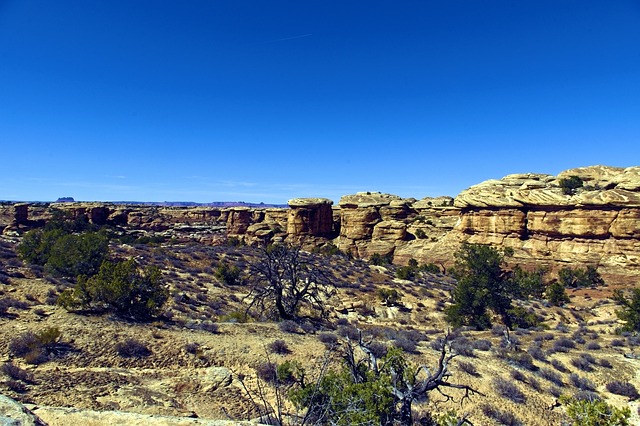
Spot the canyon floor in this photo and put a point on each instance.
(203, 355)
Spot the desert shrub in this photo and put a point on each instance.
(617, 343)
(210, 327)
(328, 339)
(630, 310)
(119, 287)
(580, 277)
(581, 383)
(349, 331)
(592, 346)
(521, 359)
(227, 274)
(192, 348)
(558, 365)
(389, 297)
(509, 390)
(288, 326)
(463, 346)
(595, 413)
(482, 345)
(16, 386)
(570, 185)
(13, 371)
(405, 344)
(34, 348)
(132, 348)
(582, 364)
(543, 336)
(504, 418)
(468, 368)
(605, 363)
(623, 388)
(279, 347)
(537, 353)
(380, 260)
(551, 376)
(556, 294)
(563, 344)
(518, 375)
(9, 302)
(267, 372)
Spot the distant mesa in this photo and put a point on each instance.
(65, 200)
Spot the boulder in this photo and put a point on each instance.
(12, 413)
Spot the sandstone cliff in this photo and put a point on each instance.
(597, 225)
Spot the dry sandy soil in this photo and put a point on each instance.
(202, 359)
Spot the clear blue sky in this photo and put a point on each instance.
(205, 100)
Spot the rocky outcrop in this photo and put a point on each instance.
(310, 216)
(12, 413)
(599, 224)
(376, 223)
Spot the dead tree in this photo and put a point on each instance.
(284, 279)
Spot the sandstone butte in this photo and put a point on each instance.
(599, 225)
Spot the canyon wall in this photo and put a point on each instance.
(596, 224)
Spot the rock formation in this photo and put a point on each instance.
(597, 225)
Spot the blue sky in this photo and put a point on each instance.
(270, 100)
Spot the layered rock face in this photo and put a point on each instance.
(375, 223)
(599, 224)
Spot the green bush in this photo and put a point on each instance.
(35, 347)
(406, 273)
(585, 412)
(580, 277)
(630, 311)
(380, 260)
(527, 284)
(388, 296)
(228, 274)
(571, 184)
(65, 254)
(119, 287)
(556, 294)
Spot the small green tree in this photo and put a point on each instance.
(376, 390)
(556, 294)
(528, 284)
(120, 287)
(228, 274)
(482, 284)
(585, 412)
(571, 184)
(388, 296)
(580, 277)
(630, 311)
(65, 254)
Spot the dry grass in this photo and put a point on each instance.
(203, 328)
